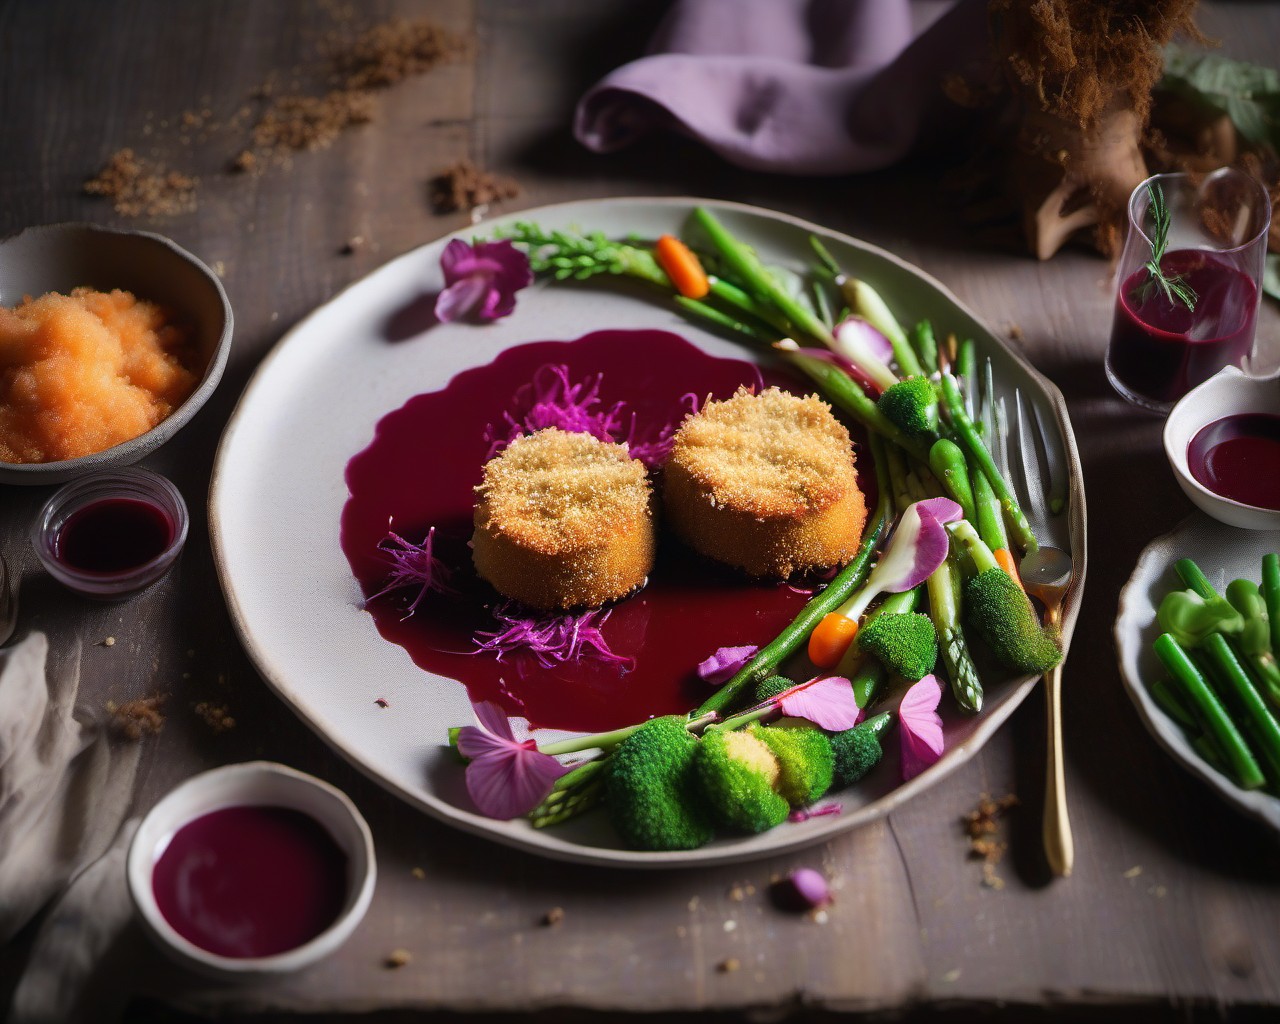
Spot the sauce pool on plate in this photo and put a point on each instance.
(421, 469)
(1238, 457)
(251, 881)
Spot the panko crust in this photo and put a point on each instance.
(564, 520)
(766, 483)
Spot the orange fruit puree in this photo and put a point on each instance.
(80, 373)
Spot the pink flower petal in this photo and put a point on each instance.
(724, 663)
(920, 726)
(826, 701)
(918, 546)
(506, 778)
(822, 811)
(944, 510)
(511, 783)
(460, 298)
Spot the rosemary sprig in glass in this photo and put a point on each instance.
(1175, 288)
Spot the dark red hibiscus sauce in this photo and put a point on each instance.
(1159, 348)
(419, 472)
(1238, 457)
(114, 535)
(251, 881)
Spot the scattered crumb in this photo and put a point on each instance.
(553, 917)
(729, 966)
(730, 925)
(952, 975)
(982, 828)
(137, 718)
(819, 916)
(464, 186)
(1134, 871)
(137, 186)
(382, 702)
(737, 894)
(245, 163)
(352, 246)
(397, 958)
(1015, 331)
(299, 122)
(215, 716)
(109, 642)
(418, 873)
(220, 268)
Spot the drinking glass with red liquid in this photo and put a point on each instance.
(1162, 345)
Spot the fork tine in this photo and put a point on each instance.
(1029, 446)
(1058, 494)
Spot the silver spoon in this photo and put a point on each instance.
(1046, 573)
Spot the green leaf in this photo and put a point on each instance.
(1247, 93)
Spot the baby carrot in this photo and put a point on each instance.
(1005, 559)
(682, 266)
(831, 638)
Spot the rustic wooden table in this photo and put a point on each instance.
(1175, 897)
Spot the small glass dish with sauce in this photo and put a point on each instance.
(111, 534)
(251, 869)
(1223, 441)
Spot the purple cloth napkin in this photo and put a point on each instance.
(793, 86)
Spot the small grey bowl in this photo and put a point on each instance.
(59, 257)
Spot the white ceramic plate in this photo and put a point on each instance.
(1224, 553)
(278, 492)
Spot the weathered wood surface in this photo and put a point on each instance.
(1174, 899)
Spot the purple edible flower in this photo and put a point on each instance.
(824, 811)
(826, 701)
(481, 280)
(568, 636)
(920, 726)
(724, 663)
(506, 778)
(413, 565)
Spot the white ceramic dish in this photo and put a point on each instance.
(278, 492)
(60, 257)
(1224, 553)
(1228, 392)
(261, 783)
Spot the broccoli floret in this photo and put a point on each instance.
(737, 773)
(769, 688)
(856, 751)
(906, 643)
(651, 792)
(912, 406)
(805, 760)
(1003, 616)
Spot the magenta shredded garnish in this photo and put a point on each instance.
(551, 399)
(413, 565)
(551, 639)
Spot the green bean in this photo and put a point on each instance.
(990, 518)
(1231, 675)
(756, 276)
(949, 466)
(1171, 703)
(926, 346)
(1209, 710)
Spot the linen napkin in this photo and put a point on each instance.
(792, 86)
(64, 788)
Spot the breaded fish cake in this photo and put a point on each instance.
(766, 483)
(564, 521)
